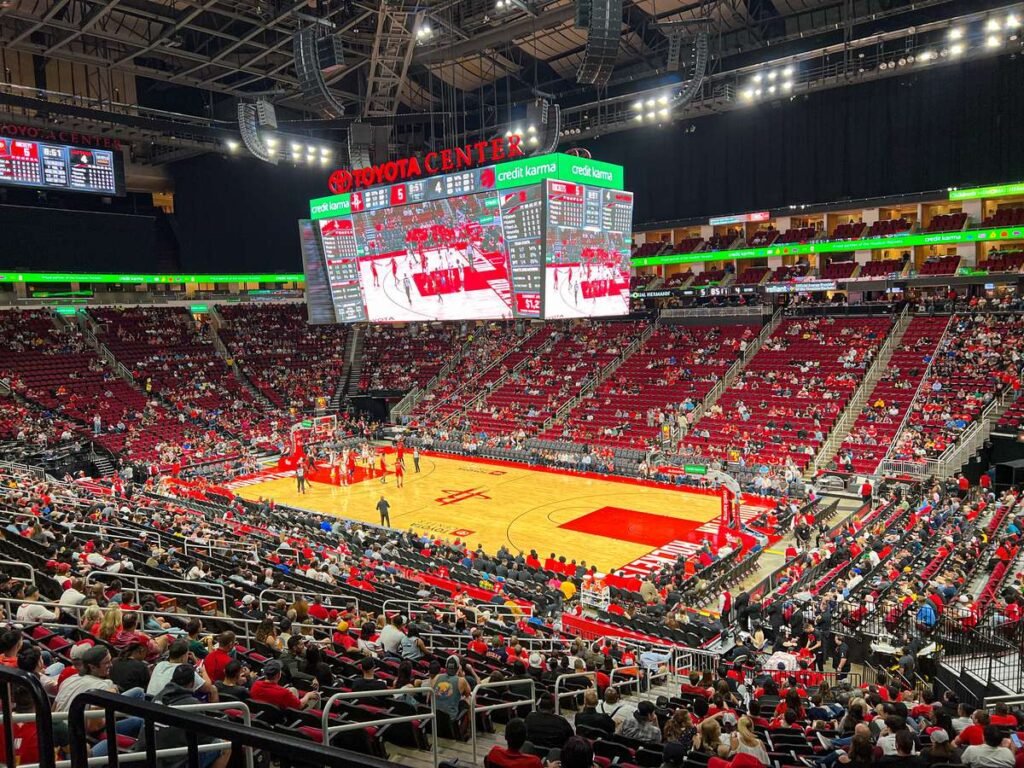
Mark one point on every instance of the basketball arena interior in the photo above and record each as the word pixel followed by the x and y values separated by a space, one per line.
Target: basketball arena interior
pixel 511 383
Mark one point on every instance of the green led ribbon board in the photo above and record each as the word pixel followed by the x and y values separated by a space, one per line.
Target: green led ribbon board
pixel 104 277
pixel 997 190
pixel 837 246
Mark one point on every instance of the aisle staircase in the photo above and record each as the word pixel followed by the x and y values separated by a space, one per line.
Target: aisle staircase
pixel 353 367
pixel 853 409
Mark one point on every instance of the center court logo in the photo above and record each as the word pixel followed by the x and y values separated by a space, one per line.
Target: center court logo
pixel 454 497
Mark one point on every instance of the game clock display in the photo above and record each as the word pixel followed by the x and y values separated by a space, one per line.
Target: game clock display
pixel 41 165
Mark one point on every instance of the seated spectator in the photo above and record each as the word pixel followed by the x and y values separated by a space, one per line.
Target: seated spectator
pixel 234 684
pixel 643 726
pixel 270 691
pixel 546 729
pixel 367 681
pixel 940 749
pixel 589 717
pixel 512 756
pixel 178 692
pixel 989 754
pixel 904 755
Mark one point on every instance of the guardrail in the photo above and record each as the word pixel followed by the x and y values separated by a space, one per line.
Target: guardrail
pixel 390 693
pixel 286 749
pixel 474 710
pixel 136 581
pixel 330 599
pixel 415 607
pixel 867 386
pixel 592 676
pixel 906 417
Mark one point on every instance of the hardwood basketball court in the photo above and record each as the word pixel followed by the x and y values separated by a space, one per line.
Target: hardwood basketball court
pixel 607 523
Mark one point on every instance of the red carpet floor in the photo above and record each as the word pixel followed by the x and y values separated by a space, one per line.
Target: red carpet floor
pixel 636 527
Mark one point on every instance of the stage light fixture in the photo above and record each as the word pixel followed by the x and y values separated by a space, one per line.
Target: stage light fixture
pixel 663 99
pixel 651 115
pixel 787 86
pixel 663 112
pixel 748 94
pixel 638 106
pixel 771 89
pixel 772 75
pixel 955 33
pixel 757 92
pixel 956 50
pixel 910 58
pixel 993 41
pixel 1012 22
pixel 270 141
pixel 992 25
pixel 325 151
pixel 902 62
pixel 787 71
pixel 639 118
pixel 650 102
pixel 532 129
pixel 296 147
pixel 892 64
pixel 533 140
pixel 757 78
pixel 232 145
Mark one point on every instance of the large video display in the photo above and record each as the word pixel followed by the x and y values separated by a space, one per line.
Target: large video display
pixel 586 251
pixel 482 244
pixel 26 163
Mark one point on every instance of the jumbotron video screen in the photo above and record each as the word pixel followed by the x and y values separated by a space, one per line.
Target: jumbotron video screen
pixel 459 247
pixel 586 251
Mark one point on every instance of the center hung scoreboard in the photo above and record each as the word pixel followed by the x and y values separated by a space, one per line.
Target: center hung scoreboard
pixel 539 237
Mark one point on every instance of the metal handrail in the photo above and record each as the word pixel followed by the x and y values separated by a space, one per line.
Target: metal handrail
pixel 328 730
pixel 351 603
pixel 16 564
pixel 195 726
pixel 450 608
pixel 474 710
pixel 917 392
pixel 592 676
pixel 10 604
pixel 138 590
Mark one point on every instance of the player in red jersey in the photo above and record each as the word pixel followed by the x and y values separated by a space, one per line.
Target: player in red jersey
pixel 399 474
pixel 373 271
pixel 350 468
pixel 383 469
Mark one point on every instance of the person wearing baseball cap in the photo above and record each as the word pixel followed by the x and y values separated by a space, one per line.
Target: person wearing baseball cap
pixel 643 726
pixel 269 690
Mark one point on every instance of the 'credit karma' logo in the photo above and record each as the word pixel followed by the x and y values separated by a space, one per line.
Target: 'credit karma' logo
pixel 527 172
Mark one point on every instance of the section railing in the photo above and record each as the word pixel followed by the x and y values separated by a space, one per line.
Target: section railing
pixel 871 377
pixel 474 710
pixel 282 748
pixel 917 393
pixel 390 693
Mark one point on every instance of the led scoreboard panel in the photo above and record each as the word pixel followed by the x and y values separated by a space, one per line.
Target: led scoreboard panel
pixel 587 245
pixel 472 245
pixel 44 165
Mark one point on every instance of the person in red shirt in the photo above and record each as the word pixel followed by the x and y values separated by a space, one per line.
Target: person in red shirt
pixel 1002 717
pixel 399 474
pixel 268 689
pixel 693 686
pixel 974 733
pixel 342 638
pixel 318 611
pixel 476 644
pixel 512 756
pixel 217 659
